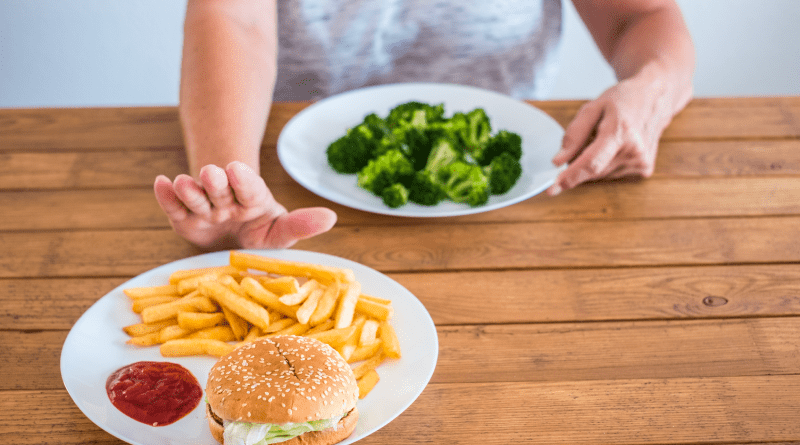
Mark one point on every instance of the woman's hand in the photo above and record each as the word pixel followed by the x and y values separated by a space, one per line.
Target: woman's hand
pixel 614 136
pixel 234 208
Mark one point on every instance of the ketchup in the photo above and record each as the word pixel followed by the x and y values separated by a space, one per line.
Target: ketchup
pixel 155 393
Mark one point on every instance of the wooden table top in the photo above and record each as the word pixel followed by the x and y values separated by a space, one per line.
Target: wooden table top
pixel 658 311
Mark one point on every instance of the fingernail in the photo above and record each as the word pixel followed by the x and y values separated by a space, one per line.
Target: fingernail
pixel 554 190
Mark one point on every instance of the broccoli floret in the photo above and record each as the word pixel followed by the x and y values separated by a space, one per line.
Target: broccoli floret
pixel 503 172
pixel 414 113
pixel 477 131
pixel 353 151
pixel 502 142
pixel 424 191
pixel 396 195
pixel 385 170
pixel 465 183
pixel 442 153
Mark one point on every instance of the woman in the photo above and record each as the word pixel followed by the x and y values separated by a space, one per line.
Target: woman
pixel 239 55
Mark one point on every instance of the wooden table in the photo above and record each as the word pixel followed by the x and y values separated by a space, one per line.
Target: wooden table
pixel 662 311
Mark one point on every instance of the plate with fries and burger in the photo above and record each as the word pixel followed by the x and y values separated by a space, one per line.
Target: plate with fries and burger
pixel 275 346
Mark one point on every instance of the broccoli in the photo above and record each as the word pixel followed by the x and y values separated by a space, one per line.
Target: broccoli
pixel 416 154
pixel 502 142
pixel 385 170
pixel 503 173
pixel 395 195
pixel 353 151
pixel 465 183
pixel 477 131
pixel 415 114
pixel 424 190
pixel 442 153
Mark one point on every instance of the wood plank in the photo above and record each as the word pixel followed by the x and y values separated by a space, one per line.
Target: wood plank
pixel 617 350
pixel 752 410
pixel 39 129
pixel 47 417
pixel 620 200
pixel 533 353
pixel 138 168
pixel 582 244
pixel 720 410
pixel 536 296
pixel 48 304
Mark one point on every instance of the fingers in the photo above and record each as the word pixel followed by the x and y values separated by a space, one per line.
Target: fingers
pixel 300 224
pixel 592 163
pixel 579 133
pixel 215 183
pixel 248 187
pixel 168 200
pixel 192 195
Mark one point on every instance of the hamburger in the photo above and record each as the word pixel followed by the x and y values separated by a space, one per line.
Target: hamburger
pixel 288 389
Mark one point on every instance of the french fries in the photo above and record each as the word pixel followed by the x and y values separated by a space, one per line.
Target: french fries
pixel 213 310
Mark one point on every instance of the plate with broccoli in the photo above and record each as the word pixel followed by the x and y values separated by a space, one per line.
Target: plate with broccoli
pixel 421 149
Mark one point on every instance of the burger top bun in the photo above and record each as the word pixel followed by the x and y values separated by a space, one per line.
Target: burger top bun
pixel 281 380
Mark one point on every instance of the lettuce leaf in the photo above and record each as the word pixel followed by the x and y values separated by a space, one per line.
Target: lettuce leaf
pixel 246 433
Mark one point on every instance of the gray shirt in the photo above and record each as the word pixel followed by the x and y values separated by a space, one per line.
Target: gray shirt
pixel 331 46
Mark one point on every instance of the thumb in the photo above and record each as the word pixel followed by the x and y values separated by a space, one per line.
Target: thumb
pixel 299 224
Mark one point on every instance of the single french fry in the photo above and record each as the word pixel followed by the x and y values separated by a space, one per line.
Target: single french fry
pixel 351 343
pixel 239 325
pixel 192 283
pixel 295 329
pixel 153 338
pixel 300 296
pixel 194 321
pixel 375 299
pixel 279 325
pixel 334 337
pixel 324 326
pixel 280 285
pixel 195 346
pixel 264 297
pixel 347 305
pixel 134 293
pixel 180 275
pixel 139 329
pixel 326 274
pixel 326 304
pixel 391 344
pixel 221 333
pixel 192 302
pixel 374 309
pixel 367 383
pixel 232 284
pixel 241 306
pixel 365 351
pixel 369 332
pixel 140 303
pixel 254 333
pixel 172 332
pixel 365 366
pixel 308 307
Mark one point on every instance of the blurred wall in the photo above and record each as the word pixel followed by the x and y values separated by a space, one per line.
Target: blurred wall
pixel 60 53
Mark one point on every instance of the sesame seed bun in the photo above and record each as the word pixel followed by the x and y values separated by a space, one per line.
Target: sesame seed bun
pixel 286 379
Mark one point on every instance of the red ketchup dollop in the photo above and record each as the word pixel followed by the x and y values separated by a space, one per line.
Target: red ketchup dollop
pixel 155 393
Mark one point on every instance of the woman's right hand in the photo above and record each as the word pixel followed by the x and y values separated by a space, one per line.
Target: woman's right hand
pixel 232 208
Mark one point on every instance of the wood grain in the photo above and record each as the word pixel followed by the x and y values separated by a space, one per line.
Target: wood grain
pixel 649 411
pixel 533 353
pixel 441 246
pixel 136 208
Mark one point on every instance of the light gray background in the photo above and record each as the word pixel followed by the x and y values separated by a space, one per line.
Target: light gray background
pixel 69 53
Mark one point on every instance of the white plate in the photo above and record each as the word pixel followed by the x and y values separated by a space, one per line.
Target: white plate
pixel 95 348
pixel 305 138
